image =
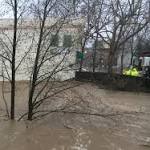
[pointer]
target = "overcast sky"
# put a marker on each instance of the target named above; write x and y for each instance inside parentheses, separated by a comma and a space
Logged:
(6, 10)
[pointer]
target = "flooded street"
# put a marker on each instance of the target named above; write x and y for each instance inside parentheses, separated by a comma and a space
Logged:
(16, 136)
(99, 120)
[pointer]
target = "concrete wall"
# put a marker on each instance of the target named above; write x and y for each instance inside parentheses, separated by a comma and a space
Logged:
(115, 81)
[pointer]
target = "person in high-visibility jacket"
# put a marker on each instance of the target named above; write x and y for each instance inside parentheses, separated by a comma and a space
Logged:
(131, 72)
(134, 72)
(127, 72)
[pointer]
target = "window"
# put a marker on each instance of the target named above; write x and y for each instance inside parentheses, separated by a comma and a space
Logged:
(67, 41)
(54, 40)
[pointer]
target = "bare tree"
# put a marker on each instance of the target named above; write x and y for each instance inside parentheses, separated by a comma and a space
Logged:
(96, 20)
(9, 44)
(14, 60)
(50, 60)
(127, 19)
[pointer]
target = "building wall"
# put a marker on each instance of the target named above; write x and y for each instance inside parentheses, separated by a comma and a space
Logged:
(126, 59)
(26, 33)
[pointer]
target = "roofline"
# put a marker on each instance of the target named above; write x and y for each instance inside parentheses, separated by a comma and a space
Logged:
(7, 23)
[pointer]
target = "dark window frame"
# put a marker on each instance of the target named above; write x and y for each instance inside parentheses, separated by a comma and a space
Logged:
(54, 40)
(67, 41)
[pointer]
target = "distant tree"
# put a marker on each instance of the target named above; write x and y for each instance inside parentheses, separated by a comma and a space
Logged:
(96, 19)
(127, 19)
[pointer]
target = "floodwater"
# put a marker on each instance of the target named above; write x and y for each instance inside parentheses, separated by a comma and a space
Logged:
(129, 129)
(15, 136)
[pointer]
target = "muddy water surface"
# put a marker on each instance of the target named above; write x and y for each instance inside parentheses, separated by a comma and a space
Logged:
(128, 131)
(20, 136)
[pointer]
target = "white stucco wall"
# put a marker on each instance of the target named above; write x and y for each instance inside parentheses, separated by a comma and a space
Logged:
(25, 36)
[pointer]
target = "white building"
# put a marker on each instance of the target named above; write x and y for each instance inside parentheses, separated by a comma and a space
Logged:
(66, 38)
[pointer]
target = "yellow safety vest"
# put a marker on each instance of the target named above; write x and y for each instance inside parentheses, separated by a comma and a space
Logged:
(131, 72)
(134, 72)
(127, 72)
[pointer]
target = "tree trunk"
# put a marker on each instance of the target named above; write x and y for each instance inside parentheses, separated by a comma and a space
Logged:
(13, 80)
(81, 62)
(82, 50)
(110, 62)
(94, 53)
(122, 59)
(131, 60)
(35, 69)
(12, 113)
(30, 112)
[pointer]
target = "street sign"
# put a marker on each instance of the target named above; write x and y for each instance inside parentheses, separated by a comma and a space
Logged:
(79, 55)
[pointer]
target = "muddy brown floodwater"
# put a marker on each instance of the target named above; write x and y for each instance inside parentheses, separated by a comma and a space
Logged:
(124, 123)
